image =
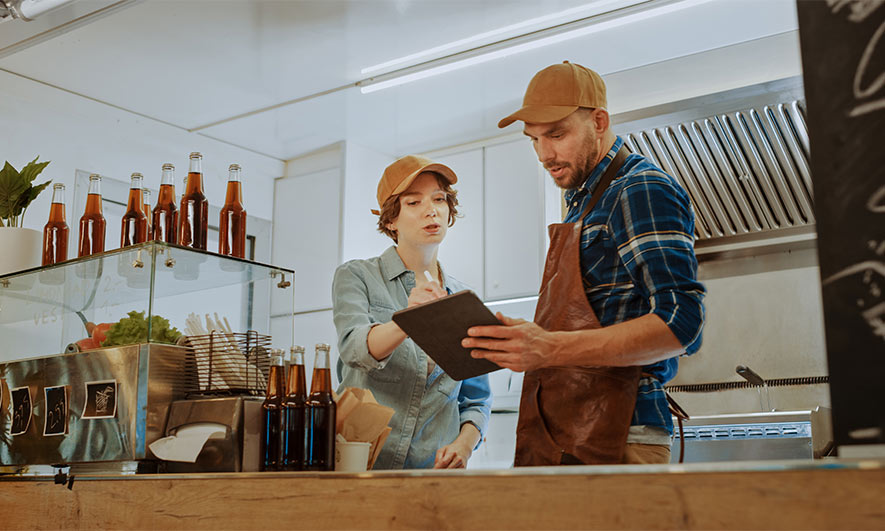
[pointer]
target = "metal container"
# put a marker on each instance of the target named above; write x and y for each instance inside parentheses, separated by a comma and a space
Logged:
(149, 377)
(239, 450)
(756, 436)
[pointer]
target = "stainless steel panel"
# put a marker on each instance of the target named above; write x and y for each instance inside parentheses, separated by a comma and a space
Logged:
(748, 220)
(756, 436)
(697, 197)
(692, 152)
(741, 155)
(148, 378)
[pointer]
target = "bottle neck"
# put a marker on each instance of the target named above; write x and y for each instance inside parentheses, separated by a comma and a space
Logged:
(321, 382)
(57, 209)
(275, 379)
(234, 193)
(94, 186)
(58, 195)
(194, 183)
(297, 384)
(136, 201)
(322, 359)
(93, 203)
(196, 165)
(168, 177)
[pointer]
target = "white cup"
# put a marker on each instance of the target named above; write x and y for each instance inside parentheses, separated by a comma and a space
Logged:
(351, 456)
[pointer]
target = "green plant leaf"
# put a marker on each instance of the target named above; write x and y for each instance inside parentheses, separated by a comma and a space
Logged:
(28, 196)
(12, 186)
(33, 169)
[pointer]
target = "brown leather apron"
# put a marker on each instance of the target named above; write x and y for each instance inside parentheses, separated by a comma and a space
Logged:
(573, 415)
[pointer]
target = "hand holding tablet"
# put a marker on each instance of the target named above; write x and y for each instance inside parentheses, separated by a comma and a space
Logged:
(439, 326)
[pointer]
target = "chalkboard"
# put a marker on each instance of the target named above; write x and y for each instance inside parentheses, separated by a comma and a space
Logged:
(56, 414)
(843, 60)
(21, 410)
(101, 400)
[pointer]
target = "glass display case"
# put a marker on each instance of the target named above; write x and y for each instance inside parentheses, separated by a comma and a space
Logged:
(66, 399)
(48, 310)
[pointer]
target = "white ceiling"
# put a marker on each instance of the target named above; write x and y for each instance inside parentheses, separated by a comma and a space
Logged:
(192, 63)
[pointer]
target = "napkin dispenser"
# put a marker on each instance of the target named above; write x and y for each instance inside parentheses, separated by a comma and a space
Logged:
(239, 450)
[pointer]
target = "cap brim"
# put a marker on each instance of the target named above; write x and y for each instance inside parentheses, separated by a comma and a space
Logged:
(539, 114)
(435, 167)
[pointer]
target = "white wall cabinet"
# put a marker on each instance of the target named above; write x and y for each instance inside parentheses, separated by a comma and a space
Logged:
(514, 221)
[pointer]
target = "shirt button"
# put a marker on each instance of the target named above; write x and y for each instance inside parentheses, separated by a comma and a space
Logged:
(575, 203)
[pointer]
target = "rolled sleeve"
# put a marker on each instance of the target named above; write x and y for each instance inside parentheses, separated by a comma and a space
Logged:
(353, 321)
(653, 225)
(475, 403)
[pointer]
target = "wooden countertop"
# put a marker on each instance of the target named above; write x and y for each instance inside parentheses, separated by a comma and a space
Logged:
(828, 494)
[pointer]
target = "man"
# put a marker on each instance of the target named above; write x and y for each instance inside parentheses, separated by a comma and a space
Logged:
(593, 389)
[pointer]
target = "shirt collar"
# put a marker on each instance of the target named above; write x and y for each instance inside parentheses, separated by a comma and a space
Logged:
(593, 179)
(393, 266)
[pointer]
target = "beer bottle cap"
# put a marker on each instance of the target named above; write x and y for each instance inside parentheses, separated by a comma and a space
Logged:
(58, 186)
(323, 346)
(296, 349)
(233, 167)
(94, 177)
(168, 166)
(196, 155)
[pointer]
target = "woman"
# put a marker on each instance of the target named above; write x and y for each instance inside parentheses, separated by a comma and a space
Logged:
(438, 421)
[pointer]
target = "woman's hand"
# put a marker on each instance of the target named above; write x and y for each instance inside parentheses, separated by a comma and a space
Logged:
(454, 455)
(425, 292)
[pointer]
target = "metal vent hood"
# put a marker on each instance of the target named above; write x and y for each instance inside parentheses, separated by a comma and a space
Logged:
(742, 156)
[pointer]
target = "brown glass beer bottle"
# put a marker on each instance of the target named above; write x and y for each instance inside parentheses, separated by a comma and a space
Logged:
(320, 452)
(295, 419)
(55, 233)
(134, 228)
(164, 222)
(93, 226)
(146, 196)
(232, 226)
(272, 417)
(194, 216)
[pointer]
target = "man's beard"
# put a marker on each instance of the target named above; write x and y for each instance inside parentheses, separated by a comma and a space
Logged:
(586, 165)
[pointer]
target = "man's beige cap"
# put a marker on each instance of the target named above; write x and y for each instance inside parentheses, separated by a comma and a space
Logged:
(399, 176)
(556, 92)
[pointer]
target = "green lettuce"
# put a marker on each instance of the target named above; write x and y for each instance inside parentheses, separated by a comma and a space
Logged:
(134, 329)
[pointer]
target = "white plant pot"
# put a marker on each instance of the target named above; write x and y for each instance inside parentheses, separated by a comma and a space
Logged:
(19, 249)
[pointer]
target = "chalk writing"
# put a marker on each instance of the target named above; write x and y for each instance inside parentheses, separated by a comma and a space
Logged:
(860, 10)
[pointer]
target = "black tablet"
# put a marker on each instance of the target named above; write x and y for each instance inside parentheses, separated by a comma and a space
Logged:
(439, 326)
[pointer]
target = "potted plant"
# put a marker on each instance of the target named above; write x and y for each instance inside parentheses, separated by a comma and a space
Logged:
(20, 248)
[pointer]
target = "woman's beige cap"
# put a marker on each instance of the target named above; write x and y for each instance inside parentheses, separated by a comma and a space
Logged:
(556, 92)
(400, 175)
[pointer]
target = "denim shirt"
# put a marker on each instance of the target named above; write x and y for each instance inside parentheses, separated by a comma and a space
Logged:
(429, 408)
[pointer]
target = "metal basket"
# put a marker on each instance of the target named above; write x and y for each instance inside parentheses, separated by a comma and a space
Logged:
(229, 364)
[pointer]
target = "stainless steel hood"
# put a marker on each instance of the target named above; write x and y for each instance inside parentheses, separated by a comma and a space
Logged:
(743, 157)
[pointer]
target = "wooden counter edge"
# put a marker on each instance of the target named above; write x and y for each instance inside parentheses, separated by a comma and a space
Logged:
(789, 499)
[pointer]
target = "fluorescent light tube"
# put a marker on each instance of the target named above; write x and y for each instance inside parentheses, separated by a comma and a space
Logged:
(507, 31)
(369, 85)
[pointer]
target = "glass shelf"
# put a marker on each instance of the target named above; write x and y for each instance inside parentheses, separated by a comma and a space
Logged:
(44, 309)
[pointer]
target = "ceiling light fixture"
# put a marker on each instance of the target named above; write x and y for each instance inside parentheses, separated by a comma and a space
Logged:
(531, 41)
(520, 28)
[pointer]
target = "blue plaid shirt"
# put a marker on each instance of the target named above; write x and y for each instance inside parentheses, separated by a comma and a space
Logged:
(637, 257)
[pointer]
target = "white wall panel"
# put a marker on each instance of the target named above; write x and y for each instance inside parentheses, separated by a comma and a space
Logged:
(514, 214)
(306, 235)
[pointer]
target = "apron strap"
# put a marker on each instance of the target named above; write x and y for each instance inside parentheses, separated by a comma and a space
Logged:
(606, 179)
